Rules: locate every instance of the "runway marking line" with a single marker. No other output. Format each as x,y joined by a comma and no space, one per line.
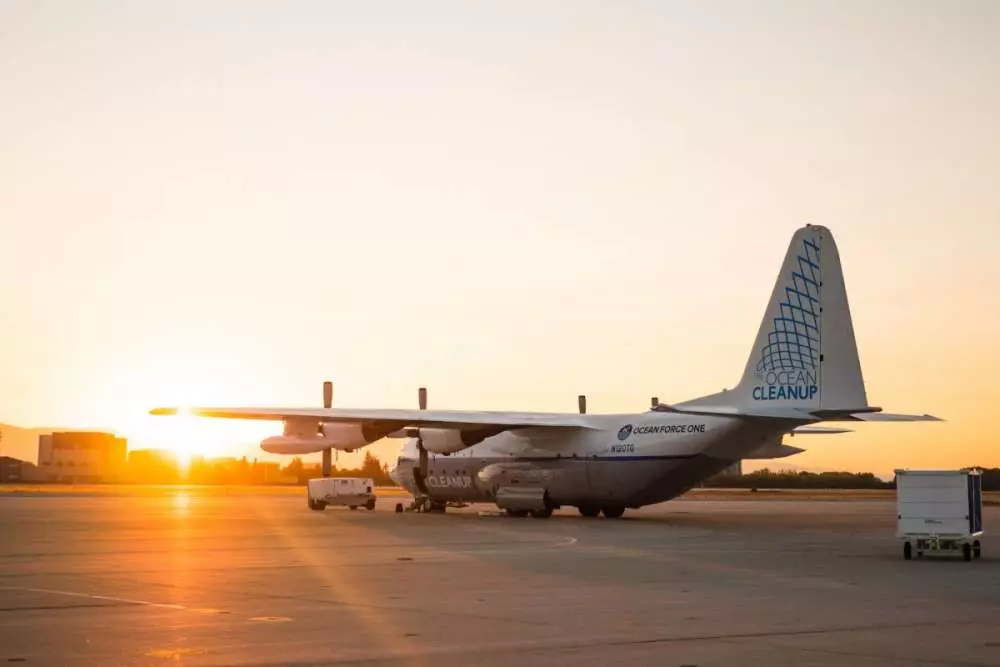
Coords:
144,603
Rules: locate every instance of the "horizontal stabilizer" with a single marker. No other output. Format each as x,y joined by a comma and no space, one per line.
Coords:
892,417
796,414
779,451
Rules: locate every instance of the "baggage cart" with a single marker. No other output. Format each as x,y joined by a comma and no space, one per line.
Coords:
940,511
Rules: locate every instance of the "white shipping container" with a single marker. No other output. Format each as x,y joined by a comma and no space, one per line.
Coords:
353,492
939,511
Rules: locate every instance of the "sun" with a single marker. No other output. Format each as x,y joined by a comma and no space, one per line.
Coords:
187,436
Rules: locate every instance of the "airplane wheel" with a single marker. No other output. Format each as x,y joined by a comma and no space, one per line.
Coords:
588,511
615,512
542,514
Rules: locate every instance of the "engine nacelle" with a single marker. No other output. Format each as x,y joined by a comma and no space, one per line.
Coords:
308,436
442,440
450,440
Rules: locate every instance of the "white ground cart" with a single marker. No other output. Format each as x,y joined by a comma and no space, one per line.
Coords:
940,511
354,492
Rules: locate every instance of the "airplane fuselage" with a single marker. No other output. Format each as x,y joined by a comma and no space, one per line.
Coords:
624,460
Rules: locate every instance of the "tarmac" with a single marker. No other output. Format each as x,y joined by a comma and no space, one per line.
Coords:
201,577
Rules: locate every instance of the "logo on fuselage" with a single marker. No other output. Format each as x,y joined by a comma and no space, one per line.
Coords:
624,432
449,481
669,428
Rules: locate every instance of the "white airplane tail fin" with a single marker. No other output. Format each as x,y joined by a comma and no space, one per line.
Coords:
804,363
805,358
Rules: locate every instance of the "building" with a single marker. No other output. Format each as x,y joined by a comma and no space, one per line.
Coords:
82,457
14,470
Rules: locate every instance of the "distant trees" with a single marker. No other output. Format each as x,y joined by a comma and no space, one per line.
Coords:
370,467
296,469
991,478
791,479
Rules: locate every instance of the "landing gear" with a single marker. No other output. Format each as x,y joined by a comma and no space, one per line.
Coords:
589,511
613,511
423,504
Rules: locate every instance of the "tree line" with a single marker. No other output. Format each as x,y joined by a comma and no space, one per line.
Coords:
244,471
792,479
371,467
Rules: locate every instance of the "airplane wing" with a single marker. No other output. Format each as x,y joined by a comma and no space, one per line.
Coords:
453,419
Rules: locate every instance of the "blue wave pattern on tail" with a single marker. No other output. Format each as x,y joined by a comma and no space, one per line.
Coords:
793,343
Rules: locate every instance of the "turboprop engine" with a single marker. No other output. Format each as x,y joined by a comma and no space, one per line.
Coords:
449,440
308,436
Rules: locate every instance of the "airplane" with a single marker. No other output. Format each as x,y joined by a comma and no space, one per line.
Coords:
803,369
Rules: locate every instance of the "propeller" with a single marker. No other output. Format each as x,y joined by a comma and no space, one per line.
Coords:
415,433
327,403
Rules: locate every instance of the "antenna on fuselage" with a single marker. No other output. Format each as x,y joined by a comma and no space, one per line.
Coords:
654,403
581,402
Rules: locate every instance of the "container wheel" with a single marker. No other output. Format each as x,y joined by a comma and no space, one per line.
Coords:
966,552
907,551
399,508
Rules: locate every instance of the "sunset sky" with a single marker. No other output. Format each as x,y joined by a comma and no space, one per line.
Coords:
509,202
